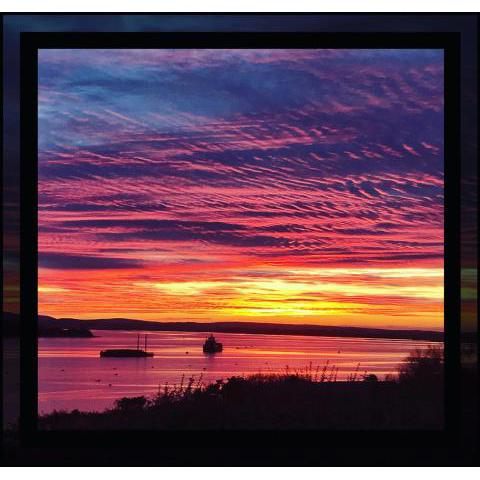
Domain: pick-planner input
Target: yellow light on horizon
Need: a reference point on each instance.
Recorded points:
(344, 296)
(51, 289)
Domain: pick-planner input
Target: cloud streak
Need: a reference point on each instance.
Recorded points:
(194, 161)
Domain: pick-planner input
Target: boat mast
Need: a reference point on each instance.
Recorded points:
(145, 342)
(138, 341)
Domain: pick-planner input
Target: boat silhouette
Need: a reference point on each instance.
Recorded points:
(211, 345)
(128, 352)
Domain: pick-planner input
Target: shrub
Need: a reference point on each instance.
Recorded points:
(131, 403)
(422, 366)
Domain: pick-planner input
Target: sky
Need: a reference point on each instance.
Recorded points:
(280, 186)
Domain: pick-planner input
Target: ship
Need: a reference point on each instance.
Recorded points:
(211, 345)
(128, 352)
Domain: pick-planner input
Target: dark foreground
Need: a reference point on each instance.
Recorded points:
(307, 400)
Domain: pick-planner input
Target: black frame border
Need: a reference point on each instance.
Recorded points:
(296, 444)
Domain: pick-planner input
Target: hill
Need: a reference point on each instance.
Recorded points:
(47, 327)
(46, 323)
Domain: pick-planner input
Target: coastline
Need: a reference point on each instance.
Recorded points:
(246, 327)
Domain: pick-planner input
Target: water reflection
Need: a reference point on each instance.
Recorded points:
(71, 374)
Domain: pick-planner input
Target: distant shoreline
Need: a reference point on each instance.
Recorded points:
(244, 327)
(12, 322)
(346, 332)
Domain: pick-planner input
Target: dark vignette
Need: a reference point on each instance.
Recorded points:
(258, 22)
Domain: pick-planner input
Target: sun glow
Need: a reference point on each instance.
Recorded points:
(238, 197)
(330, 296)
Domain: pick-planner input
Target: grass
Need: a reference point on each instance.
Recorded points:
(310, 398)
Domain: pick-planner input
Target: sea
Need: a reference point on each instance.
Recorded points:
(71, 374)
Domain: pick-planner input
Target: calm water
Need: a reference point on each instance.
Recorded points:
(72, 375)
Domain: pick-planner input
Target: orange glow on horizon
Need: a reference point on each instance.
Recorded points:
(381, 297)
(275, 186)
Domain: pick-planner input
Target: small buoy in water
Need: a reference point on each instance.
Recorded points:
(109, 384)
(186, 353)
(338, 351)
(116, 374)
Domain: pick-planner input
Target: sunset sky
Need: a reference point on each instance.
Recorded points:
(294, 186)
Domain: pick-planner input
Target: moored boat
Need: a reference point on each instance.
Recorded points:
(211, 345)
(128, 352)
(125, 352)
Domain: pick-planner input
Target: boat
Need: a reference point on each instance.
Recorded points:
(211, 345)
(128, 352)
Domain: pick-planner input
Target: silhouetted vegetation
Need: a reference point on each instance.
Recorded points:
(311, 398)
(423, 367)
